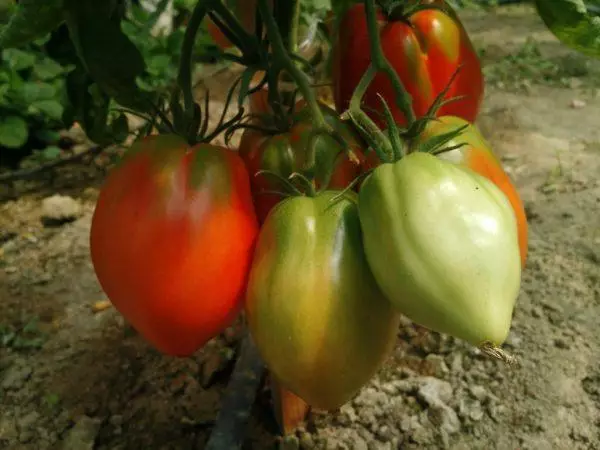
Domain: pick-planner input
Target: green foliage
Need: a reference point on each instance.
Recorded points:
(32, 93)
(30, 20)
(572, 23)
(107, 54)
(528, 64)
(27, 337)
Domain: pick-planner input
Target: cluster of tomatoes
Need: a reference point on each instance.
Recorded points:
(183, 239)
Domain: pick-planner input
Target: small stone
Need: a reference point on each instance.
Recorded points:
(434, 391)
(456, 365)
(332, 444)
(495, 411)
(406, 386)
(371, 397)
(422, 435)
(438, 364)
(306, 441)
(561, 343)
(478, 392)
(359, 444)
(25, 436)
(27, 422)
(8, 430)
(376, 445)
(513, 340)
(290, 442)
(537, 312)
(389, 388)
(385, 433)
(60, 209)
(348, 412)
(83, 435)
(367, 417)
(578, 104)
(446, 418)
(476, 413)
(16, 377)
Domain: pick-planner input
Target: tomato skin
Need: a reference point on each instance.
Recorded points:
(441, 241)
(172, 238)
(425, 52)
(312, 295)
(478, 155)
(286, 153)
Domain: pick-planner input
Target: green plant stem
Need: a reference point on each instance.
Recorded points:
(295, 27)
(283, 60)
(248, 43)
(185, 64)
(383, 147)
(380, 62)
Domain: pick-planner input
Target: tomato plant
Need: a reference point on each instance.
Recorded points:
(477, 154)
(245, 11)
(172, 239)
(425, 48)
(285, 153)
(312, 295)
(442, 243)
(442, 239)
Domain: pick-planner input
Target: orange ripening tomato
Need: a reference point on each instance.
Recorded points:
(478, 156)
(172, 239)
(425, 48)
(286, 153)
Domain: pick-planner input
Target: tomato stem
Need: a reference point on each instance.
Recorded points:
(294, 30)
(381, 64)
(246, 42)
(492, 351)
(283, 60)
(185, 66)
(382, 145)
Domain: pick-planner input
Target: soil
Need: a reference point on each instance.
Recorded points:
(74, 376)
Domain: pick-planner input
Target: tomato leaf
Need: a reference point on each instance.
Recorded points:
(88, 105)
(572, 23)
(437, 142)
(107, 54)
(18, 60)
(51, 108)
(13, 131)
(31, 20)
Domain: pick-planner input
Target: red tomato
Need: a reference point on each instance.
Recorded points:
(285, 154)
(425, 49)
(172, 239)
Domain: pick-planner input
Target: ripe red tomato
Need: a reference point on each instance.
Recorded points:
(424, 48)
(286, 153)
(172, 239)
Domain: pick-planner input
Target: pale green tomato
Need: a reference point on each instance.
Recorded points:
(442, 243)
